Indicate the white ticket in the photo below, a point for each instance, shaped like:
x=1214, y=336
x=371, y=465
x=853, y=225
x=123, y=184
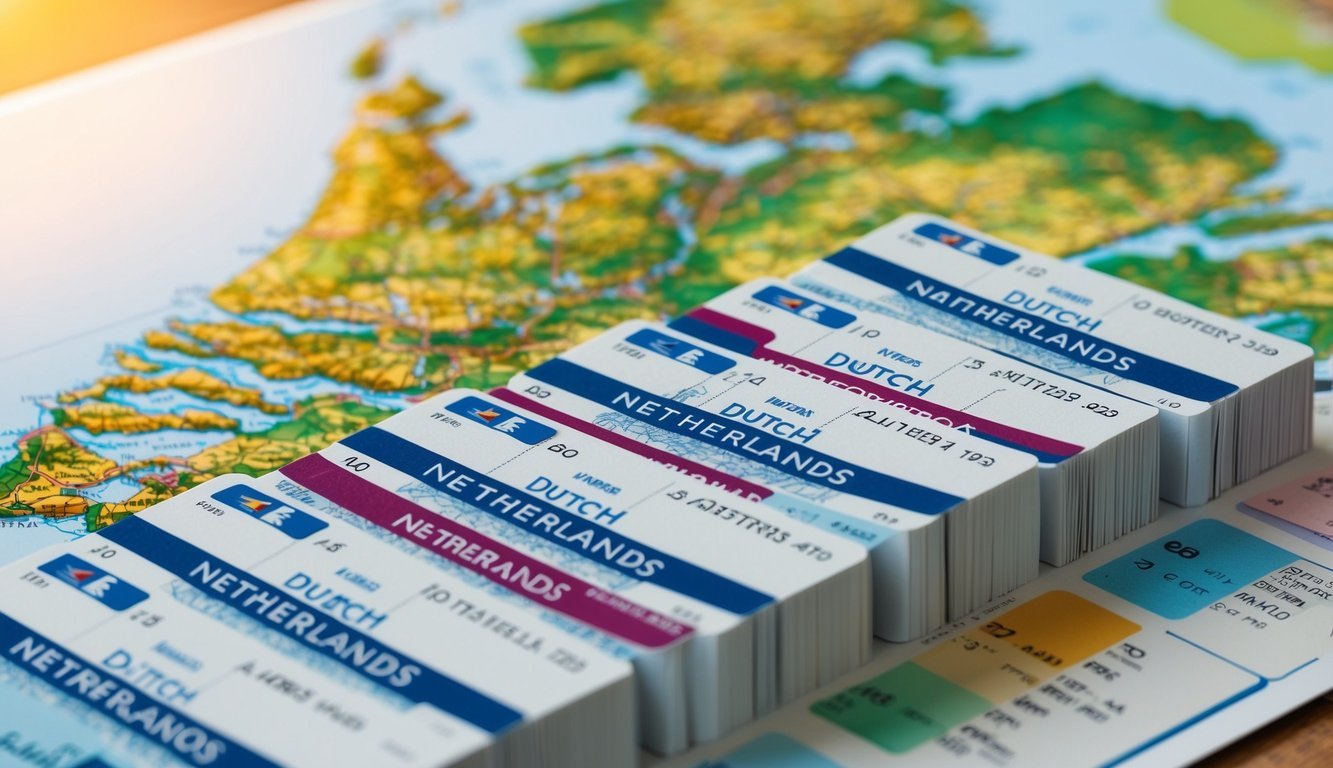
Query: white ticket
x=885, y=478
x=1098, y=452
x=638, y=531
x=109, y=636
x=1234, y=400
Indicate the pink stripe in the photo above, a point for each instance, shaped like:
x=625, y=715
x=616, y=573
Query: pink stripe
x=879, y=392
x=760, y=336
x=720, y=479
x=581, y=601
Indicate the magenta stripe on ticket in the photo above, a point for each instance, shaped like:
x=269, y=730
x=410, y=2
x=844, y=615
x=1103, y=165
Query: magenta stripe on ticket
x=878, y=392
x=482, y=555
x=712, y=476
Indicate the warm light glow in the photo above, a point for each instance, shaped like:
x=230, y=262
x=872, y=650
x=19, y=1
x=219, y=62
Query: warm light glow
x=43, y=39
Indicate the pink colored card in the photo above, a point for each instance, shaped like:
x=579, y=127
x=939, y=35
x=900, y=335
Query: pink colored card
x=1306, y=502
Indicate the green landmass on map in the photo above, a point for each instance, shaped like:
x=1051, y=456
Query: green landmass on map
x=1233, y=226
x=452, y=285
x=1263, y=30
x=1291, y=286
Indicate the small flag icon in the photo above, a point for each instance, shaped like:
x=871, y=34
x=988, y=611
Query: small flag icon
x=94, y=582
x=266, y=509
x=776, y=296
x=501, y=419
x=680, y=351
x=969, y=245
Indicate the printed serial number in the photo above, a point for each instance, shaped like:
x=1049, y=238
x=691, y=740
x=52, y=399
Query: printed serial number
x=1037, y=385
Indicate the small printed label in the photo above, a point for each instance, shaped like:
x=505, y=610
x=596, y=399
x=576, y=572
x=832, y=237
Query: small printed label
x=1189, y=569
x=966, y=676
x=1272, y=625
x=1307, y=502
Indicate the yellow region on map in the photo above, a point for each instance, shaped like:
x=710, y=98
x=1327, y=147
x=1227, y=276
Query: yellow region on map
x=437, y=283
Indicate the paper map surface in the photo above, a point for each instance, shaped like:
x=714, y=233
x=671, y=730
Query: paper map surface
x=350, y=205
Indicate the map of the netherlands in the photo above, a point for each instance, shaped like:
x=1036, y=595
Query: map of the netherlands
x=461, y=192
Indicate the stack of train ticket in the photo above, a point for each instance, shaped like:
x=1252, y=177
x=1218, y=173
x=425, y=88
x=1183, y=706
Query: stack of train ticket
x=1097, y=452
x=657, y=536
x=227, y=627
x=759, y=610
x=1233, y=400
x=951, y=520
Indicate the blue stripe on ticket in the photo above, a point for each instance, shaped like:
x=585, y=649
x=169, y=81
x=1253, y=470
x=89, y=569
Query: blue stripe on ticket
x=595, y=542
x=738, y=438
x=1063, y=340
x=317, y=631
x=123, y=704
x=718, y=337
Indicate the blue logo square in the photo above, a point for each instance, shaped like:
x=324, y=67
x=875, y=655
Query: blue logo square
x=802, y=307
x=680, y=350
x=266, y=509
x=524, y=429
x=94, y=582
x=967, y=244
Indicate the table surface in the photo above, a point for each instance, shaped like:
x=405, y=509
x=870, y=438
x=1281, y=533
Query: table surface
x=1302, y=739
